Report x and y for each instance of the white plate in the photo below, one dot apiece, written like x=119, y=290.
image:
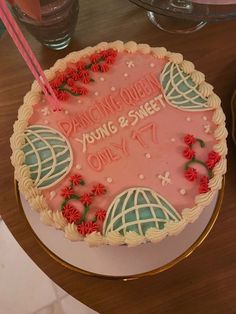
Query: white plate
x=121, y=261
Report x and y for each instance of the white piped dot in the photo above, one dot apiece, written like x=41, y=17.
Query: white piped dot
x=172, y=139
x=148, y=156
x=188, y=119
x=78, y=167
x=204, y=118
x=43, y=101
x=79, y=101
x=96, y=94
x=46, y=121
x=141, y=176
x=113, y=88
x=66, y=111
x=109, y=180
x=125, y=74
x=152, y=65
x=182, y=191
x=102, y=79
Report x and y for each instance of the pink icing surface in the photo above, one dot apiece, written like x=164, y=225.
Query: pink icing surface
x=140, y=162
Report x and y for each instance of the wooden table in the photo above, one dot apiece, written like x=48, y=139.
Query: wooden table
x=206, y=281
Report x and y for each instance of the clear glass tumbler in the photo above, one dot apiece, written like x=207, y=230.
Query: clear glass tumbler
x=59, y=18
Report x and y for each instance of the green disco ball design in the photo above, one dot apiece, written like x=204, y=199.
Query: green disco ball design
x=180, y=90
x=47, y=154
x=138, y=209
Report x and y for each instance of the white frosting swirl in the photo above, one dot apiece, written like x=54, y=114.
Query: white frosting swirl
x=159, y=52
x=205, y=89
x=198, y=77
x=144, y=48
x=204, y=199
x=155, y=235
x=101, y=46
x=60, y=65
x=94, y=239
x=176, y=58
x=17, y=140
x=117, y=45
x=221, y=148
x=218, y=116
x=133, y=239
x=50, y=75
x=131, y=46
x=46, y=217
x=59, y=220
x=114, y=238
x=220, y=168
x=17, y=158
x=220, y=132
x=31, y=98
x=22, y=172
x=213, y=101
x=72, y=233
x=20, y=126
x=175, y=228
x=215, y=183
x=191, y=214
x=38, y=203
x=187, y=67
x=25, y=112
x=35, y=87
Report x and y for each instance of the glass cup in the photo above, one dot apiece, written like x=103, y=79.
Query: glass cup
x=58, y=21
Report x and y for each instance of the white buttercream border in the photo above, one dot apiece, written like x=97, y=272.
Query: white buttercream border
x=34, y=195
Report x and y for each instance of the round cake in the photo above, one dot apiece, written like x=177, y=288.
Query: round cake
x=135, y=154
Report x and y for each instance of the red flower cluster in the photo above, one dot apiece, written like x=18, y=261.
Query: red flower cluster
x=67, y=192
x=98, y=189
x=71, y=213
x=204, y=188
x=87, y=227
x=101, y=214
x=188, y=153
x=213, y=159
x=189, y=139
x=190, y=174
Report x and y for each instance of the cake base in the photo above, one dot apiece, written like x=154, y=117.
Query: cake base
x=122, y=262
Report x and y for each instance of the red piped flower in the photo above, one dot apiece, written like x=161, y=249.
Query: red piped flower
x=83, y=73
x=62, y=95
x=75, y=90
x=215, y=156
x=80, y=65
x=190, y=174
x=99, y=189
x=189, y=139
x=82, y=228
x=101, y=214
x=70, y=82
x=104, y=67
x=71, y=213
x=188, y=153
x=110, y=60
x=67, y=192
x=76, y=179
x=204, y=188
x=86, y=199
x=69, y=72
x=112, y=52
x=75, y=76
x=95, y=67
x=91, y=226
x=85, y=79
x=55, y=83
x=83, y=91
x=94, y=58
x=210, y=163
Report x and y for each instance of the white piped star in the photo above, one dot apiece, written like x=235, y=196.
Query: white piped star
x=148, y=156
x=109, y=180
x=165, y=179
x=96, y=94
x=130, y=64
x=125, y=74
x=152, y=65
x=102, y=79
x=188, y=119
x=113, y=88
x=172, y=139
x=45, y=111
x=141, y=176
x=182, y=191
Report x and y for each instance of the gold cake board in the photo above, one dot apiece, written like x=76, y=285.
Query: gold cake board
x=152, y=272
